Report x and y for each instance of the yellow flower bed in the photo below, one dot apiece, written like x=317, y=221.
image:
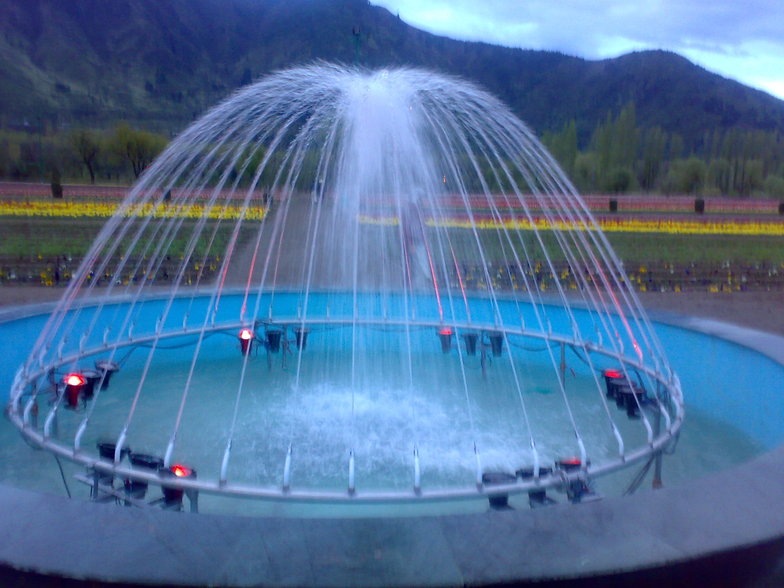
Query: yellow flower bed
x=43, y=208
x=630, y=225
x=69, y=209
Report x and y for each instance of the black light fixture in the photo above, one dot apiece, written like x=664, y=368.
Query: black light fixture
x=172, y=497
x=627, y=395
x=106, y=368
x=445, y=336
x=470, y=343
x=498, y=501
x=496, y=343
x=536, y=498
x=246, y=341
x=74, y=386
x=273, y=339
x=630, y=397
x=577, y=489
x=107, y=450
x=569, y=464
x=138, y=489
x=613, y=378
x=301, y=336
x=92, y=377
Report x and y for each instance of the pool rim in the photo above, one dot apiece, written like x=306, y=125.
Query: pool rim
x=712, y=519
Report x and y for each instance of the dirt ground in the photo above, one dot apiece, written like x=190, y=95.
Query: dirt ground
x=759, y=310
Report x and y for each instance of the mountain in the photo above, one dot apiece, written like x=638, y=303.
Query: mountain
x=160, y=63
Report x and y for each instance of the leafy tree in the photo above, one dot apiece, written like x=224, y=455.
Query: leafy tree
x=773, y=186
x=9, y=154
x=619, y=180
x=719, y=176
x=87, y=144
x=563, y=146
x=676, y=147
x=624, y=138
x=586, y=171
x=750, y=177
x=615, y=143
x=138, y=148
x=654, y=145
x=687, y=176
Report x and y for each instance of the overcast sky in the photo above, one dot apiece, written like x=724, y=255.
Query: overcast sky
x=739, y=39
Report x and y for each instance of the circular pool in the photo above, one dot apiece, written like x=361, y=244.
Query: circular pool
x=727, y=461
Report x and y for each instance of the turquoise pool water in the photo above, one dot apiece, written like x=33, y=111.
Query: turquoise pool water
x=730, y=393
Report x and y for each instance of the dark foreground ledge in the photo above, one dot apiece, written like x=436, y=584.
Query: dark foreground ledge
x=727, y=528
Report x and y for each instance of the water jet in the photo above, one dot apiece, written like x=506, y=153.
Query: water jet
x=406, y=203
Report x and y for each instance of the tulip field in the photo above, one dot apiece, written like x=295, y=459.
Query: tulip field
x=43, y=240
x=666, y=244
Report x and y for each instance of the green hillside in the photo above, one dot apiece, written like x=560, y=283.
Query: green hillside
x=160, y=63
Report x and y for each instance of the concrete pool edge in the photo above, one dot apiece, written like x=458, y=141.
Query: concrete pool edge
x=768, y=344
x=714, y=517
x=719, y=514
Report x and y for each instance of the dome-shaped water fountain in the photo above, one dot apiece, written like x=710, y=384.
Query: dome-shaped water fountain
x=353, y=286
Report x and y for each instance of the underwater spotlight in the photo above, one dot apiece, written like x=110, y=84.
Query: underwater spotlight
x=577, y=490
x=496, y=343
x=246, y=341
x=172, y=497
x=301, y=336
x=445, y=335
x=92, y=378
x=470, y=343
x=499, y=501
x=107, y=449
x=135, y=488
x=536, y=498
x=569, y=464
x=74, y=386
x=627, y=395
x=613, y=379
x=273, y=339
x=630, y=397
x=106, y=368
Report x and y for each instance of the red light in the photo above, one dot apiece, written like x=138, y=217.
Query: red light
x=246, y=334
x=181, y=471
x=611, y=373
x=446, y=331
x=575, y=461
x=75, y=380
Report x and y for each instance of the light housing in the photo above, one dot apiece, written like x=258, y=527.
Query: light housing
x=445, y=336
x=74, y=386
x=172, y=496
x=246, y=341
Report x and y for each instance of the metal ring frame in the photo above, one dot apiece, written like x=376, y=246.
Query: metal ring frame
x=20, y=417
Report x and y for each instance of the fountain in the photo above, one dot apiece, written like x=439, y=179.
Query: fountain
x=350, y=286
x=371, y=302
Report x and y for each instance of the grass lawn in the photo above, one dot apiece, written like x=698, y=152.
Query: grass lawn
x=697, y=248
x=43, y=237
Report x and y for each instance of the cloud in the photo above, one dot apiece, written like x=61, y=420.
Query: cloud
x=742, y=40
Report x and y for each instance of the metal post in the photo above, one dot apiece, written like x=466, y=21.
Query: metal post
x=351, y=484
x=563, y=365
x=287, y=470
x=657, y=464
x=417, y=472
